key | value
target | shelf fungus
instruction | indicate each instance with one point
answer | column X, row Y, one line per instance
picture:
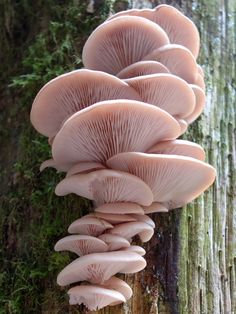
column 113, row 128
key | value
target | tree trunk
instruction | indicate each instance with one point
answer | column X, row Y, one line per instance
column 192, row 256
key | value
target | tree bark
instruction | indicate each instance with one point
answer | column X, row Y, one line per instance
column 192, row 255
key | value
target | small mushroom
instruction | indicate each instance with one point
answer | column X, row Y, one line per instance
column 94, row 297
column 142, row 68
column 107, row 186
column 200, row 103
column 174, row 180
column 166, row 91
column 120, row 208
column 120, row 286
column 81, row 245
column 118, row 43
column 137, row 249
column 107, row 128
column 178, row 60
column 114, row 219
column 178, row 147
column 68, row 93
column 144, row 218
column 114, row 241
column 99, row 267
column 155, row 208
column 89, row 226
column 129, row 229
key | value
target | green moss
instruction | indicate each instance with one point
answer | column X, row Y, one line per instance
column 32, row 217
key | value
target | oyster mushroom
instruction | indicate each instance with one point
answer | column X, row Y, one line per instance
column 94, row 297
column 104, row 129
column 68, row 93
column 142, row 68
column 107, row 186
column 179, row 28
column 174, row 180
column 120, row 208
column 118, row 43
column 99, row 267
column 81, row 244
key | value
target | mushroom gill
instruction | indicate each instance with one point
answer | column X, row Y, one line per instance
column 115, row 137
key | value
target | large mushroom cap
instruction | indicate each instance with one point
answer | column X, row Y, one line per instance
column 166, row 91
column 68, row 93
column 142, row 68
column 81, row 245
column 177, row 59
column 89, row 226
column 120, row 208
column 94, row 297
column 178, row 147
column 99, row 267
column 179, row 28
column 116, row 44
column 107, row 128
column 174, row 180
column 129, row 229
column 107, row 186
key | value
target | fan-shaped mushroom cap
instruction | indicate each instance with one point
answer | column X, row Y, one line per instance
column 110, row 127
column 179, row 28
column 84, row 167
column 166, row 91
column 142, row 68
column 174, row 180
column 120, row 286
column 130, row 229
column 155, row 208
column 177, row 59
column 137, row 249
column 200, row 103
column 120, row 208
column 99, row 267
column 81, row 245
column 68, row 93
column 107, row 186
column 144, row 218
column 89, row 226
column 94, row 297
column 116, row 44
column 114, row 241
column 178, row 147
column 114, row 218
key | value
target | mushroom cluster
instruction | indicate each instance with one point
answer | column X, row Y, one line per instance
column 113, row 128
